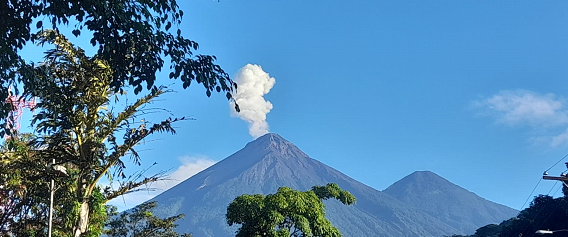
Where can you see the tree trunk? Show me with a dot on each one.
(83, 221)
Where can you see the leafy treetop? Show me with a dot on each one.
(76, 124)
(544, 213)
(140, 222)
(288, 212)
(133, 36)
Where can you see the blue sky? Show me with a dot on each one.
(475, 91)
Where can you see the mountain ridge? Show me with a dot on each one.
(455, 205)
(270, 162)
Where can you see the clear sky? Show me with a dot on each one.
(475, 91)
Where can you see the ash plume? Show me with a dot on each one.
(253, 83)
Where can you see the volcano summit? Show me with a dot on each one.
(271, 161)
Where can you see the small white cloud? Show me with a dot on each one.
(542, 112)
(560, 140)
(518, 107)
(189, 167)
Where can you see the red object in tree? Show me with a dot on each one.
(18, 104)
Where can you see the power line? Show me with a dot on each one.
(530, 195)
(544, 208)
(561, 178)
(553, 210)
(548, 194)
(545, 173)
(556, 163)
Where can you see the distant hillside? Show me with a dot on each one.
(452, 204)
(270, 162)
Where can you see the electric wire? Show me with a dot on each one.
(556, 163)
(556, 207)
(556, 191)
(548, 194)
(539, 180)
(542, 209)
(530, 195)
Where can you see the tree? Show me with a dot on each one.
(23, 193)
(76, 124)
(491, 230)
(133, 38)
(288, 212)
(141, 222)
(544, 213)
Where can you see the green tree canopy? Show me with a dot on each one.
(23, 190)
(76, 124)
(288, 212)
(544, 213)
(141, 222)
(133, 37)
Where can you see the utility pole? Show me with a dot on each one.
(562, 177)
(51, 191)
(61, 171)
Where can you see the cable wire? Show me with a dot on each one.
(548, 194)
(530, 195)
(554, 209)
(539, 180)
(542, 209)
(557, 163)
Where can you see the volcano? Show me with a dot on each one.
(271, 161)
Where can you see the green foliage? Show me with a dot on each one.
(288, 212)
(23, 190)
(544, 213)
(24, 202)
(133, 37)
(75, 124)
(332, 190)
(491, 230)
(98, 213)
(141, 222)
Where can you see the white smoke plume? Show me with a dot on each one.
(253, 83)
